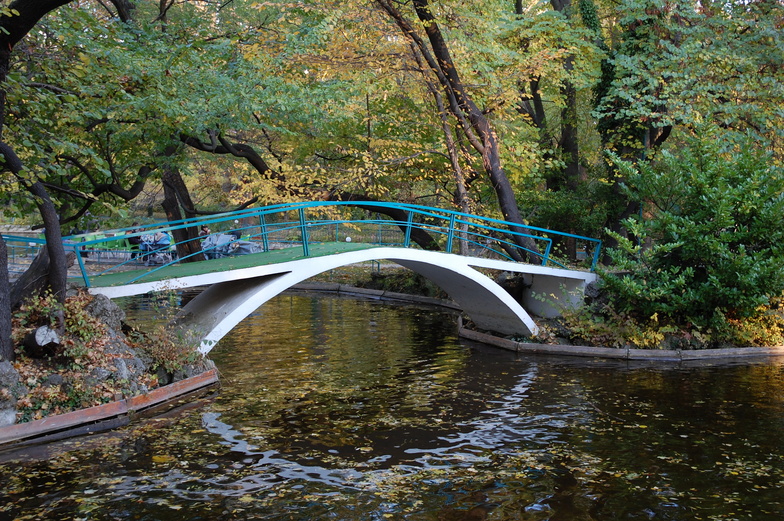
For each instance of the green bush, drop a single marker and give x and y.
(709, 246)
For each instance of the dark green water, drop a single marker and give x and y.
(336, 409)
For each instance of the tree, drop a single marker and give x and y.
(16, 20)
(713, 219)
(476, 127)
(562, 81)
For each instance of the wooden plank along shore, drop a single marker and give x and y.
(106, 416)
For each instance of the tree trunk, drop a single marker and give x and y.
(175, 196)
(571, 156)
(58, 271)
(6, 346)
(35, 279)
(27, 13)
(58, 264)
(41, 342)
(476, 126)
(460, 198)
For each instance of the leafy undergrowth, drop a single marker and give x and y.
(597, 324)
(606, 327)
(56, 386)
(91, 365)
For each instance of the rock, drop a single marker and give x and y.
(7, 416)
(129, 368)
(592, 290)
(9, 384)
(107, 312)
(514, 283)
(164, 378)
(595, 296)
(53, 380)
(98, 375)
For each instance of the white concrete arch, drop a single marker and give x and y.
(233, 295)
(215, 311)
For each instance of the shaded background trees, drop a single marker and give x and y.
(498, 107)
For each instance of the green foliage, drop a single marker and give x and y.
(765, 328)
(581, 211)
(611, 329)
(710, 243)
(45, 310)
(685, 64)
(331, 96)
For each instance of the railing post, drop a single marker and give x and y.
(264, 238)
(304, 230)
(410, 220)
(450, 234)
(81, 265)
(596, 251)
(546, 255)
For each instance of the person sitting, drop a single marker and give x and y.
(204, 230)
(236, 233)
(162, 238)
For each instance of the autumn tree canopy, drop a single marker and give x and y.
(502, 108)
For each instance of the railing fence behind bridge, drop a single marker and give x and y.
(304, 224)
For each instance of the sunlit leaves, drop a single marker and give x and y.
(682, 65)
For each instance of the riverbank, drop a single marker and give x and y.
(94, 374)
(110, 415)
(560, 349)
(145, 396)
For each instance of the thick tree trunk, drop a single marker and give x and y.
(58, 264)
(26, 15)
(35, 279)
(571, 156)
(175, 196)
(58, 269)
(42, 342)
(491, 159)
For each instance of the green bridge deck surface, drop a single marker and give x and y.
(121, 278)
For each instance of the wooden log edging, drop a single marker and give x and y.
(663, 355)
(107, 416)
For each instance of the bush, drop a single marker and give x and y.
(166, 351)
(46, 310)
(709, 248)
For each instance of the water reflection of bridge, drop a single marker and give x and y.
(298, 241)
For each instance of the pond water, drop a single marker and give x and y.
(340, 409)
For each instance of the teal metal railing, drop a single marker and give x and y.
(307, 223)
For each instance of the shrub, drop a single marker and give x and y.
(709, 247)
(45, 310)
(167, 351)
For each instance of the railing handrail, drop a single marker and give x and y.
(451, 226)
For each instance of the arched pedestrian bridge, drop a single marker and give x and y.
(257, 254)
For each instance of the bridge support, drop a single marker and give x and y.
(215, 311)
(233, 295)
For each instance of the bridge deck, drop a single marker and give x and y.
(151, 274)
